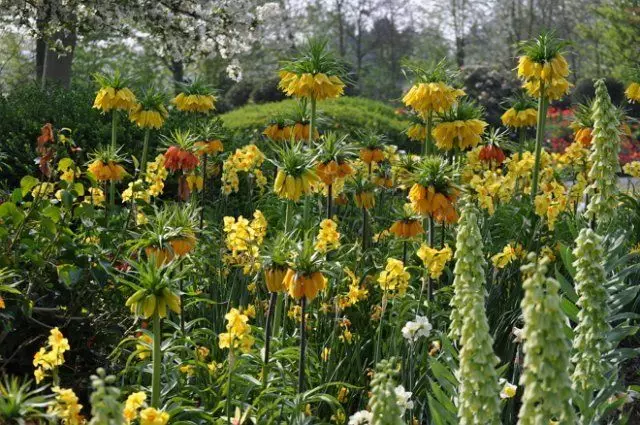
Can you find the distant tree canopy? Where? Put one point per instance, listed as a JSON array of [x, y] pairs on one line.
[[220, 41]]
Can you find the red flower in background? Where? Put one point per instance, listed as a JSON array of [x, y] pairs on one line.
[[180, 159], [492, 153], [44, 148]]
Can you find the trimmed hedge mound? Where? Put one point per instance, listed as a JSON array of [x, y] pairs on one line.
[[342, 114]]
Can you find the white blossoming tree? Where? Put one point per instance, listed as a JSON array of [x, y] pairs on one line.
[[177, 31]]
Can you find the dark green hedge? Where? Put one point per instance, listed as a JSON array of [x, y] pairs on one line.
[[343, 114]]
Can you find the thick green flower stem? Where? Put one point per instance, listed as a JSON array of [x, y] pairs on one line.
[[181, 305], [522, 134], [365, 218], [145, 151], [303, 344], [427, 147], [312, 122], [204, 189], [404, 251], [157, 361], [231, 362], [114, 136], [277, 317], [432, 229], [543, 103], [273, 299]]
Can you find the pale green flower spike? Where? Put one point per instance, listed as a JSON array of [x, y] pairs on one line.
[[105, 407], [590, 340], [385, 409], [469, 268], [604, 157], [478, 394], [547, 386]]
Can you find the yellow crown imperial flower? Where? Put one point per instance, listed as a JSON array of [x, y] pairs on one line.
[[194, 102], [110, 98], [300, 284], [432, 97], [145, 118], [520, 118]]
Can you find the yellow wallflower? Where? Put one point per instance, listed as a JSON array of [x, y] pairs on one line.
[[632, 168], [551, 202], [633, 92], [134, 402], [507, 256], [151, 416], [51, 355], [66, 407], [394, 278], [434, 259], [247, 159], [238, 333], [328, 236]]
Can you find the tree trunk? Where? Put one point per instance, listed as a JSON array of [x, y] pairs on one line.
[[460, 51], [177, 69], [56, 67]]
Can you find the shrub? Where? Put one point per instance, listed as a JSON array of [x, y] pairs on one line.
[[489, 87], [238, 94], [267, 91], [24, 111], [585, 90]]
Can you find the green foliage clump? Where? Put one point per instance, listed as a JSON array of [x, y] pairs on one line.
[[590, 340], [547, 385], [604, 157]]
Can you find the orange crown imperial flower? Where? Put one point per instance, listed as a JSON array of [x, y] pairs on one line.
[[110, 171], [406, 228], [300, 284]]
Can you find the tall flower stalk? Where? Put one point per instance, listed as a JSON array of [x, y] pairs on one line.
[[604, 157], [304, 280], [149, 113], [547, 385], [433, 92], [153, 284], [113, 96], [316, 74], [590, 336], [478, 401], [543, 69]]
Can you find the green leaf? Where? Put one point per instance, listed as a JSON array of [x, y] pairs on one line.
[[9, 209], [53, 213], [78, 188], [27, 183], [65, 163], [68, 274]]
